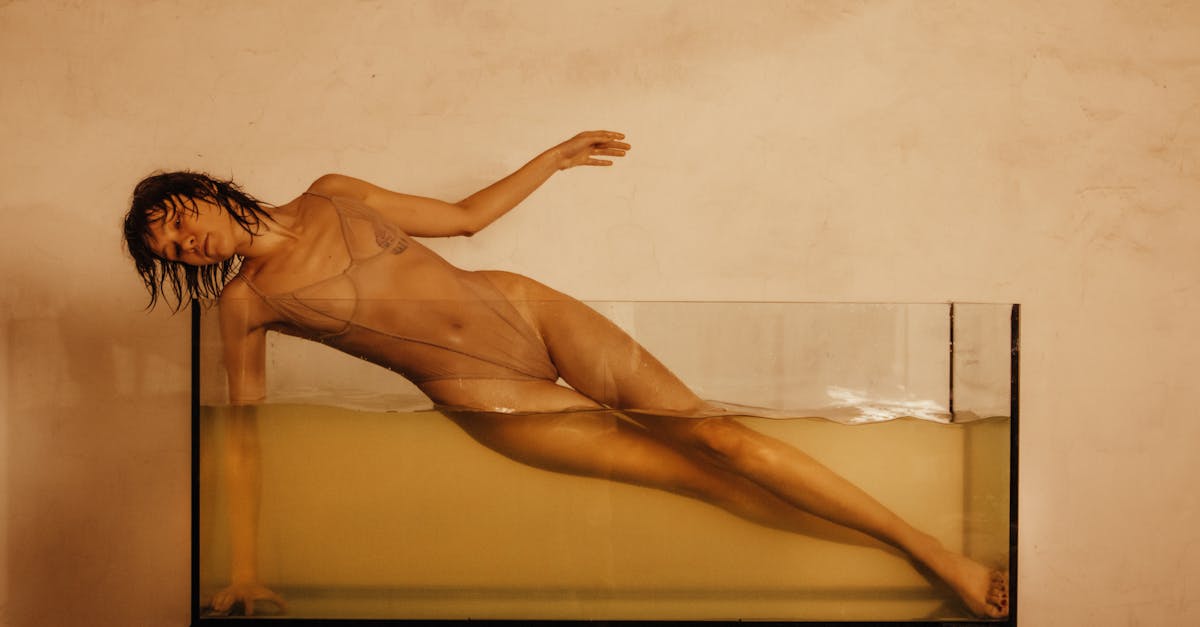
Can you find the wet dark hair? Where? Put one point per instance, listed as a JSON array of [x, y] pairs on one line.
[[157, 198]]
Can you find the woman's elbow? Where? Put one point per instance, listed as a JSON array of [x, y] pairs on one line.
[[467, 224]]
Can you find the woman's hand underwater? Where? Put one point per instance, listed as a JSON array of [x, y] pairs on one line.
[[584, 148], [225, 601]]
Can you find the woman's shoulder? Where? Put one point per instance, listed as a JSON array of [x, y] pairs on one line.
[[241, 302], [344, 194], [236, 289], [334, 185], [244, 284]]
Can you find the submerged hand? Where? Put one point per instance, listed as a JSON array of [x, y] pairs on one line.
[[245, 594], [583, 149]]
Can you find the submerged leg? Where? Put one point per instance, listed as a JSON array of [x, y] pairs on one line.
[[603, 445], [604, 363], [804, 482]]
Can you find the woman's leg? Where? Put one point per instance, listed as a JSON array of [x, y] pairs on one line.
[[601, 444], [594, 355], [798, 479], [599, 360]]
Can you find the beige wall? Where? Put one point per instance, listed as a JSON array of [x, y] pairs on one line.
[[919, 151]]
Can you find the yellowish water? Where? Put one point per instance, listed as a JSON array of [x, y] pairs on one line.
[[401, 515]]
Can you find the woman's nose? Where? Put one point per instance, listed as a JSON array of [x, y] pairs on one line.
[[189, 242]]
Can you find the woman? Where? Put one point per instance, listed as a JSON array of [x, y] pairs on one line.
[[337, 265]]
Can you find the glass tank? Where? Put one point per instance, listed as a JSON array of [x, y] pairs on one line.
[[366, 501]]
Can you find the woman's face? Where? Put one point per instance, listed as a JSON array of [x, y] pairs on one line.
[[202, 237]]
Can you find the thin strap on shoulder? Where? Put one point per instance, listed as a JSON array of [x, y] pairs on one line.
[[339, 208], [270, 302], [350, 207], [366, 231], [253, 288]]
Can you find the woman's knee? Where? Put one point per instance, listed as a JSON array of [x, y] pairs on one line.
[[728, 440]]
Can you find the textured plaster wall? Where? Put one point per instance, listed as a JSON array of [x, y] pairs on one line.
[[1042, 153]]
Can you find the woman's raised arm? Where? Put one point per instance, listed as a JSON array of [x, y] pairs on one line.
[[426, 217]]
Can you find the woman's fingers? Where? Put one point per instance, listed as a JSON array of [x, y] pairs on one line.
[[276, 599], [603, 139], [263, 594], [603, 134], [586, 147], [221, 603], [224, 601]]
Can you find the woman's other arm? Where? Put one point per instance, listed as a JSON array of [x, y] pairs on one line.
[[244, 344], [426, 217]]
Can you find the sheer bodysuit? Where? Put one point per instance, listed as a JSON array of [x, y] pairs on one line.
[[401, 306]]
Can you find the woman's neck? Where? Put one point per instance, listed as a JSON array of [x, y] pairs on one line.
[[276, 232]]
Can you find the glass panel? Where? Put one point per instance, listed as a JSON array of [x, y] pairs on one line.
[[375, 505]]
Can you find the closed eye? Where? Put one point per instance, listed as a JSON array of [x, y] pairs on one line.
[[175, 248], [170, 251]]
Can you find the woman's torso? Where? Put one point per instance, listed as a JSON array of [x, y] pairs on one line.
[[358, 283]]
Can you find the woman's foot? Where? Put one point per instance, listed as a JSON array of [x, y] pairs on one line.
[[983, 590]]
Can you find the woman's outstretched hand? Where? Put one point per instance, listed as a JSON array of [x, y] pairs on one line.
[[584, 148], [243, 594]]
